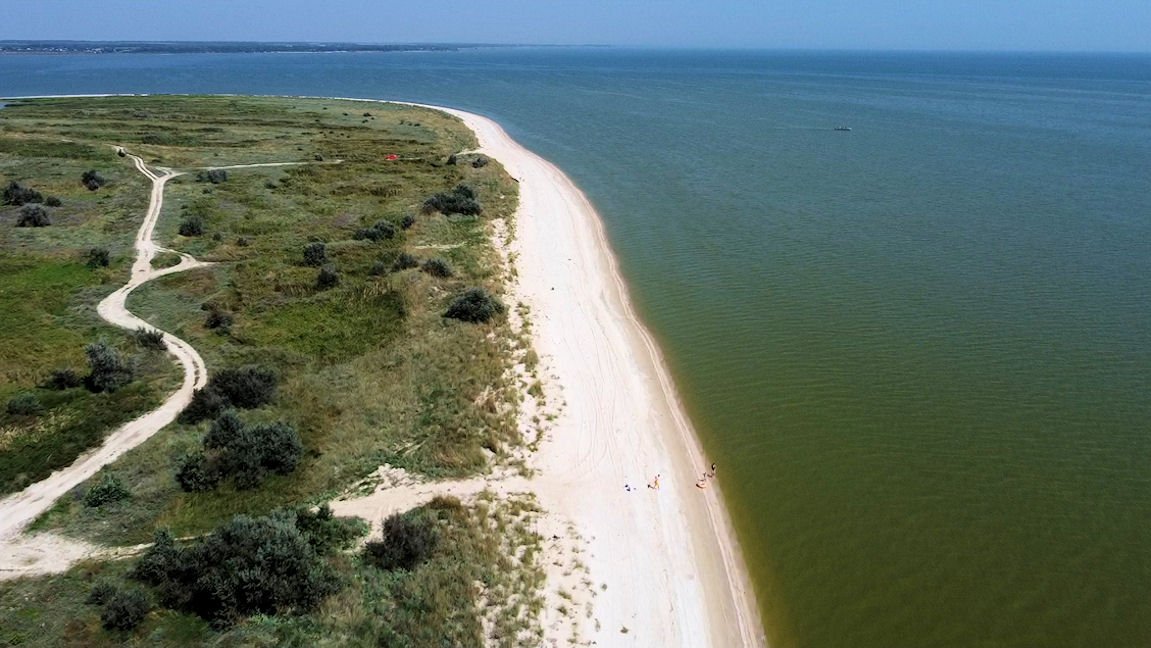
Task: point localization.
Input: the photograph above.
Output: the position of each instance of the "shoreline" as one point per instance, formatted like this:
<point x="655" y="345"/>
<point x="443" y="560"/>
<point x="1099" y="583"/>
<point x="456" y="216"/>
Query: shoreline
<point x="596" y="349"/>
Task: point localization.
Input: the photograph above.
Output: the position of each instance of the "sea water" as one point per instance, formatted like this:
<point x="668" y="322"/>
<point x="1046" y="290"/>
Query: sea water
<point x="919" y="350"/>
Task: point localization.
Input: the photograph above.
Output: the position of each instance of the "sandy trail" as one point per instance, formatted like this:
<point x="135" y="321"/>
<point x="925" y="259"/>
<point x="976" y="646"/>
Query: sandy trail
<point x="668" y="556"/>
<point x="21" y="556"/>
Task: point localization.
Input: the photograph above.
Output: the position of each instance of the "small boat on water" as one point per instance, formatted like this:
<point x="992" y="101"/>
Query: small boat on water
<point x="846" y="129"/>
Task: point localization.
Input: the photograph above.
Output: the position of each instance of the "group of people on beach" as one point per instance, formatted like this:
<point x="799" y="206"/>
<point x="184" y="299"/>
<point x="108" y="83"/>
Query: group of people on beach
<point x="700" y="483"/>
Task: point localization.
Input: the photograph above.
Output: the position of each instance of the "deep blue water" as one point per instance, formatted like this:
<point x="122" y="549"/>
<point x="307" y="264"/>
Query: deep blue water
<point x="920" y="350"/>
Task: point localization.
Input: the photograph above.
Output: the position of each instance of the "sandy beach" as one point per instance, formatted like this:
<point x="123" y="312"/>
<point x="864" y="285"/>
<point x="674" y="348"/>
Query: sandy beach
<point x="667" y="556"/>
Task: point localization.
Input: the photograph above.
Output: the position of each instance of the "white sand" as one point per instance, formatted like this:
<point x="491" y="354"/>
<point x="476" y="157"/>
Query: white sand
<point x="668" y="557"/>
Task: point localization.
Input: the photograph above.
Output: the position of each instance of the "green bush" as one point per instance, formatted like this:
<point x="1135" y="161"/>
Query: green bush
<point x="407" y="221"/>
<point x="219" y="320"/>
<point x="315" y="254"/>
<point x="25" y="404"/>
<point x="109" y="489"/>
<point x="380" y="231"/>
<point x="98" y="258"/>
<point x="475" y="306"/>
<point x="52" y="201"/>
<point x="327" y="278"/>
<point x="437" y="267"/>
<point x="409" y="539"/>
<point x="92" y="180"/>
<point x="17" y="194"/>
<point x="405" y="261"/>
<point x="326" y="533"/>
<point x="101" y="592"/>
<point x="33" y="215"/>
<point x="378" y="269"/>
<point x="125" y="609"/>
<point x="192" y="226"/>
<point x="240" y="452"/>
<point x="195" y="473"/>
<point x="61" y="379"/>
<point x="215" y="176"/>
<point x="460" y="200"/>
<point x="150" y="339"/>
<point x="244" y="387"/>
<point x="263" y="565"/>
<point x="108" y="370"/>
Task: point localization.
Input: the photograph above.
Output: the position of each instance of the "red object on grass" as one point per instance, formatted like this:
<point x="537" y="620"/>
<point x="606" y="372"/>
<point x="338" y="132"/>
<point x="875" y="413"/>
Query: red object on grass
<point x="393" y="156"/>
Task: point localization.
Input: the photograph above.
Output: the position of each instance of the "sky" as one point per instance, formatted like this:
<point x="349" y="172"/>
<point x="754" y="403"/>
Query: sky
<point x="1037" y="25"/>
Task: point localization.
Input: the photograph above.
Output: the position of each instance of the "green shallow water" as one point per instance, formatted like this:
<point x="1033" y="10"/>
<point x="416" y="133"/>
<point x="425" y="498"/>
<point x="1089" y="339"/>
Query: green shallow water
<point x="920" y="351"/>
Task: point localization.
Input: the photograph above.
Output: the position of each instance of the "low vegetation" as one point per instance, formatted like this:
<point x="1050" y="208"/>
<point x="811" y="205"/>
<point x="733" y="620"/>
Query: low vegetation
<point x="314" y="382"/>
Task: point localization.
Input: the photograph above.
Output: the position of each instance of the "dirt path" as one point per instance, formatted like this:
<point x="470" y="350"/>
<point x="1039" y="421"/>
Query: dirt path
<point x="20" y="509"/>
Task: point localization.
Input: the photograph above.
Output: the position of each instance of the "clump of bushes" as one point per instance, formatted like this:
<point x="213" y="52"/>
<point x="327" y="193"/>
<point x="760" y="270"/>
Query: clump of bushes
<point x="25" y="404"/>
<point x="405" y="261"/>
<point x="61" y="379"/>
<point x="327" y="278"/>
<point x="475" y="305"/>
<point x="437" y="267"/>
<point x="192" y="225"/>
<point x="150" y="339"/>
<point x="122" y="608"/>
<point x="33" y="215"/>
<point x="109" y="489"/>
<point x="215" y="176"/>
<point x="407" y="221"/>
<point x="460" y="200"/>
<point x="98" y="258"/>
<point x="315" y="254"/>
<point x="249" y="565"/>
<point x="245" y="387"/>
<point x="480" y="162"/>
<point x="108" y="371"/>
<point x="52" y="201"/>
<point x="379" y="268"/>
<point x="17" y="194"/>
<point x="92" y="180"/>
<point x="244" y="453"/>
<point x="218" y="319"/>
<point x="380" y="231"/>
<point x="409" y="539"/>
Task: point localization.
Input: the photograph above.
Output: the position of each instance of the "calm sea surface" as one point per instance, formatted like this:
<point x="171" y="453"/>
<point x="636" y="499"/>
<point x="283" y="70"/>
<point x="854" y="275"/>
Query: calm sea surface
<point x="920" y="351"/>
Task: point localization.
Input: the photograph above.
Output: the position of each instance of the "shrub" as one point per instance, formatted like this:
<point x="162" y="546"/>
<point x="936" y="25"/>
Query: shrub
<point x="315" y="254"/>
<point x="98" y="258"/>
<point x="480" y="162"/>
<point x="125" y="609"/>
<point x="195" y="473"/>
<point x="460" y="200"/>
<point x="218" y="319"/>
<point x="405" y="261"/>
<point x="326" y="533"/>
<point x="108" y="490"/>
<point x="192" y="226"/>
<point x="33" y="215"/>
<point x="263" y="565"/>
<point x="92" y="180"/>
<point x="437" y="268"/>
<point x="452" y="159"/>
<point x="101" y="592"/>
<point x="409" y="539"/>
<point x="242" y="242"/>
<point x="25" y="404"/>
<point x="17" y="194"/>
<point x="108" y="370"/>
<point x="61" y="379"/>
<point x="150" y="339"/>
<point x="52" y="201"/>
<point x="474" y="306"/>
<point x="380" y="231"/>
<point x="327" y="278"/>
<point x="244" y="453"/>
<point x="407" y="221"/>
<point x="244" y="387"/>
<point x="378" y="268"/>
<point x="215" y="176"/>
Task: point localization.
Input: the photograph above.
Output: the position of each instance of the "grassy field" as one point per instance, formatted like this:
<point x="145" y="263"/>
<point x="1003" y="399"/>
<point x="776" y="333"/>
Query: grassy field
<point x="370" y="371"/>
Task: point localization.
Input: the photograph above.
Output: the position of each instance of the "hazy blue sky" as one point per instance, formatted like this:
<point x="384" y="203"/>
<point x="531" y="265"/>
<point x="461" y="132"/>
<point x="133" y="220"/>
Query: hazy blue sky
<point x="884" y="24"/>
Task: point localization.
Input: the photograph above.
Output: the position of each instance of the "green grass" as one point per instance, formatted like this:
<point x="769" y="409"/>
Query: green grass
<point x="371" y="372"/>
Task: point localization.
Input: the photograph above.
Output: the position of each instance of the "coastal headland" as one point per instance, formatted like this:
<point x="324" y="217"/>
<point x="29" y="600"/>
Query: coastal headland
<point x="572" y="432"/>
